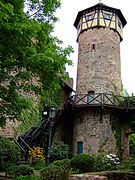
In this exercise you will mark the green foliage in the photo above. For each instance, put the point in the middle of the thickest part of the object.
(54, 173)
(30, 117)
(117, 133)
(94, 162)
(104, 162)
(64, 163)
(127, 164)
(38, 164)
(132, 144)
(21, 170)
(27, 177)
(83, 163)
(9, 153)
(31, 59)
(59, 151)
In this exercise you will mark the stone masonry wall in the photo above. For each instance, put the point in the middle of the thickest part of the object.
(99, 68)
(8, 129)
(93, 127)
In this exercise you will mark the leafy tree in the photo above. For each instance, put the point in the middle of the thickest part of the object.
(31, 59)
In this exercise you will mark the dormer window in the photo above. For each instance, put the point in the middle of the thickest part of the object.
(107, 16)
(89, 17)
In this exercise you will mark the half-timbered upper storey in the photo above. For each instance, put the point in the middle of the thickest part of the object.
(100, 15)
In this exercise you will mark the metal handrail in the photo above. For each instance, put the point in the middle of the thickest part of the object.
(26, 144)
(18, 144)
(40, 126)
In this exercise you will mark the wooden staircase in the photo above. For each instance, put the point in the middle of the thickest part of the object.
(36, 136)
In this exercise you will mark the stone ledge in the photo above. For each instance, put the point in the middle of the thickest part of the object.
(86, 177)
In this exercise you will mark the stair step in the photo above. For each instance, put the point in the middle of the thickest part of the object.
(23, 162)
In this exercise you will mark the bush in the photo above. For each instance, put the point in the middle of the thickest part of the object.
(37, 153)
(127, 164)
(27, 177)
(58, 151)
(104, 162)
(65, 163)
(38, 164)
(83, 163)
(21, 170)
(53, 172)
(9, 153)
(36, 158)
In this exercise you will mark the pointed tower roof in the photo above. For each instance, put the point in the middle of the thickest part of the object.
(103, 7)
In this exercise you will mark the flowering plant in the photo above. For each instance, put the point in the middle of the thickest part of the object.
(37, 153)
(111, 161)
(105, 162)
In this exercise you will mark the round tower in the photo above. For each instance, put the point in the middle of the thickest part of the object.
(99, 33)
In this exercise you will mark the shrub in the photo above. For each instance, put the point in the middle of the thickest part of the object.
(53, 172)
(111, 162)
(83, 163)
(65, 163)
(38, 164)
(37, 153)
(127, 164)
(104, 162)
(9, 153)
(36, 158)
(58, 151)
(20, 170)
(27, 177)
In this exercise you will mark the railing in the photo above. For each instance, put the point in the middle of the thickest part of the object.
(25, 144)
(103, 99)
(16, 142)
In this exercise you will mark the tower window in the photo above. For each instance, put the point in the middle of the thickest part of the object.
(89, 17)
(93, 47)
(79, 147)
(119, 24)
(91, 95)
(107, 16)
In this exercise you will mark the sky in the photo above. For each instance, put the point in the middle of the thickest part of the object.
(66, 32)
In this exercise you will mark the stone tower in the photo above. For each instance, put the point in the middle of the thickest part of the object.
(99, 33)
(92, 122)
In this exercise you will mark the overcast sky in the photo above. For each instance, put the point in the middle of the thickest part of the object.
(65, 31)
